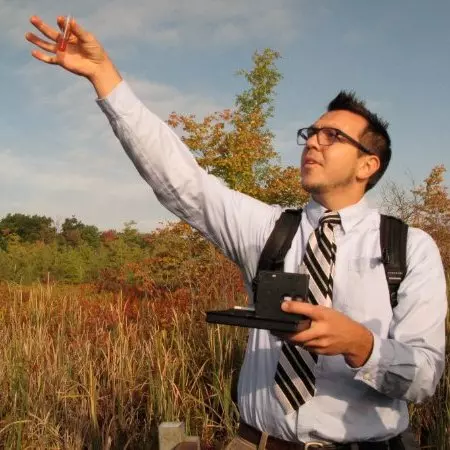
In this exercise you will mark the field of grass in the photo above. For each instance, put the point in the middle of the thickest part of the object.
(82, 369)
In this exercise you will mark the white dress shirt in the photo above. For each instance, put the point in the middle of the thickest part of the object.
(407, 361)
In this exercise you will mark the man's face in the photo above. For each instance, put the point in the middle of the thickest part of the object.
(327, 168)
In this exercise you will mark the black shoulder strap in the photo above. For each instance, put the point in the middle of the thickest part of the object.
(279, 242)
(393, 239)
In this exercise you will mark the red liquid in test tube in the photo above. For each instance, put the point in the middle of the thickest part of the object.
(62, 43)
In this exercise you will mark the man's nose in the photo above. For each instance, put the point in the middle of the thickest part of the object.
(312, 150)
(312, 143)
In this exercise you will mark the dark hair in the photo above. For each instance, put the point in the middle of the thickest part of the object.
(375, 136)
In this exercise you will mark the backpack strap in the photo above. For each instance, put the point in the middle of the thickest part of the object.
(279, 242)
(393, 239)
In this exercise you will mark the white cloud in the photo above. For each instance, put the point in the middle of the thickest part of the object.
(200, 22)
(89, 175)
(62, 189)
(197, 22)
(47, 175)
(81, 169)
(15, 14)
(74, 97)
(163, 99)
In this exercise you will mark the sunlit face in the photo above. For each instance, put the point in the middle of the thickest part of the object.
(326, 168)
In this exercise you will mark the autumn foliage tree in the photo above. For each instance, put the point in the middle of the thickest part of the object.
(236, 144)
(432, 211)
(426, 207)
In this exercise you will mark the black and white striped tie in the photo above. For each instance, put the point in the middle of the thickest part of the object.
(294, 377)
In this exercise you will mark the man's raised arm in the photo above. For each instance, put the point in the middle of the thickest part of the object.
(238, 224)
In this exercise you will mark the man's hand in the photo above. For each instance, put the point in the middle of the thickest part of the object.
(83, 55)
(330, 333)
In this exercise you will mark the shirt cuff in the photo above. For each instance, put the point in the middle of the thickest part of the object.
(373, 371)
(119, 102)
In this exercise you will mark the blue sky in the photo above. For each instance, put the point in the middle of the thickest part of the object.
(59, 157)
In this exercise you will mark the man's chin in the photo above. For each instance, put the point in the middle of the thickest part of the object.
(313, 188)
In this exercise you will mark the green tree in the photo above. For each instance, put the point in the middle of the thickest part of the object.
(237, 145)
(75, 232)
(131, 235)
(29, 228)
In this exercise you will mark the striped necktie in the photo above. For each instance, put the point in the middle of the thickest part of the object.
(294, 377)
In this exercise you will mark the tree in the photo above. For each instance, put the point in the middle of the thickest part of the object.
(131, 235)
(426, 207)
(28, 228)
(432, 211)
(237, 145)
(3, 242)
(75, 232)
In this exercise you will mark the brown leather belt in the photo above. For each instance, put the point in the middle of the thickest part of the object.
(253, 435)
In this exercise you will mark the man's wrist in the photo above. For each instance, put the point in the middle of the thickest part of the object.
(105, 78)
(361, 348)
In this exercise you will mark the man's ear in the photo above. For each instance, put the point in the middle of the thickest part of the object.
(367, 166)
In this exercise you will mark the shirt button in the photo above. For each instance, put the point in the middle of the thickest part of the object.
(367, 376)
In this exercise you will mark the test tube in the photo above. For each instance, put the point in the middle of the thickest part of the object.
(64, 38)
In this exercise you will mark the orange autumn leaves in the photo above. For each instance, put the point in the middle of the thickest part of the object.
(236, 145)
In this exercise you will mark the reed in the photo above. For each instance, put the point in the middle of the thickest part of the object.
(79, 369)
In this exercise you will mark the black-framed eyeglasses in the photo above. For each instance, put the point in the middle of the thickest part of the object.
(327, 136)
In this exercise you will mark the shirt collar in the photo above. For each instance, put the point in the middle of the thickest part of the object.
(350, 216)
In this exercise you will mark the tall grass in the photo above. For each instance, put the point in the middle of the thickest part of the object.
(431, 420)
(80, 369)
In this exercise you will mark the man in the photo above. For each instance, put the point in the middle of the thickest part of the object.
(363, 360)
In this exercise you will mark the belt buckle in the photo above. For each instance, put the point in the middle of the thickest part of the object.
(314, 444)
